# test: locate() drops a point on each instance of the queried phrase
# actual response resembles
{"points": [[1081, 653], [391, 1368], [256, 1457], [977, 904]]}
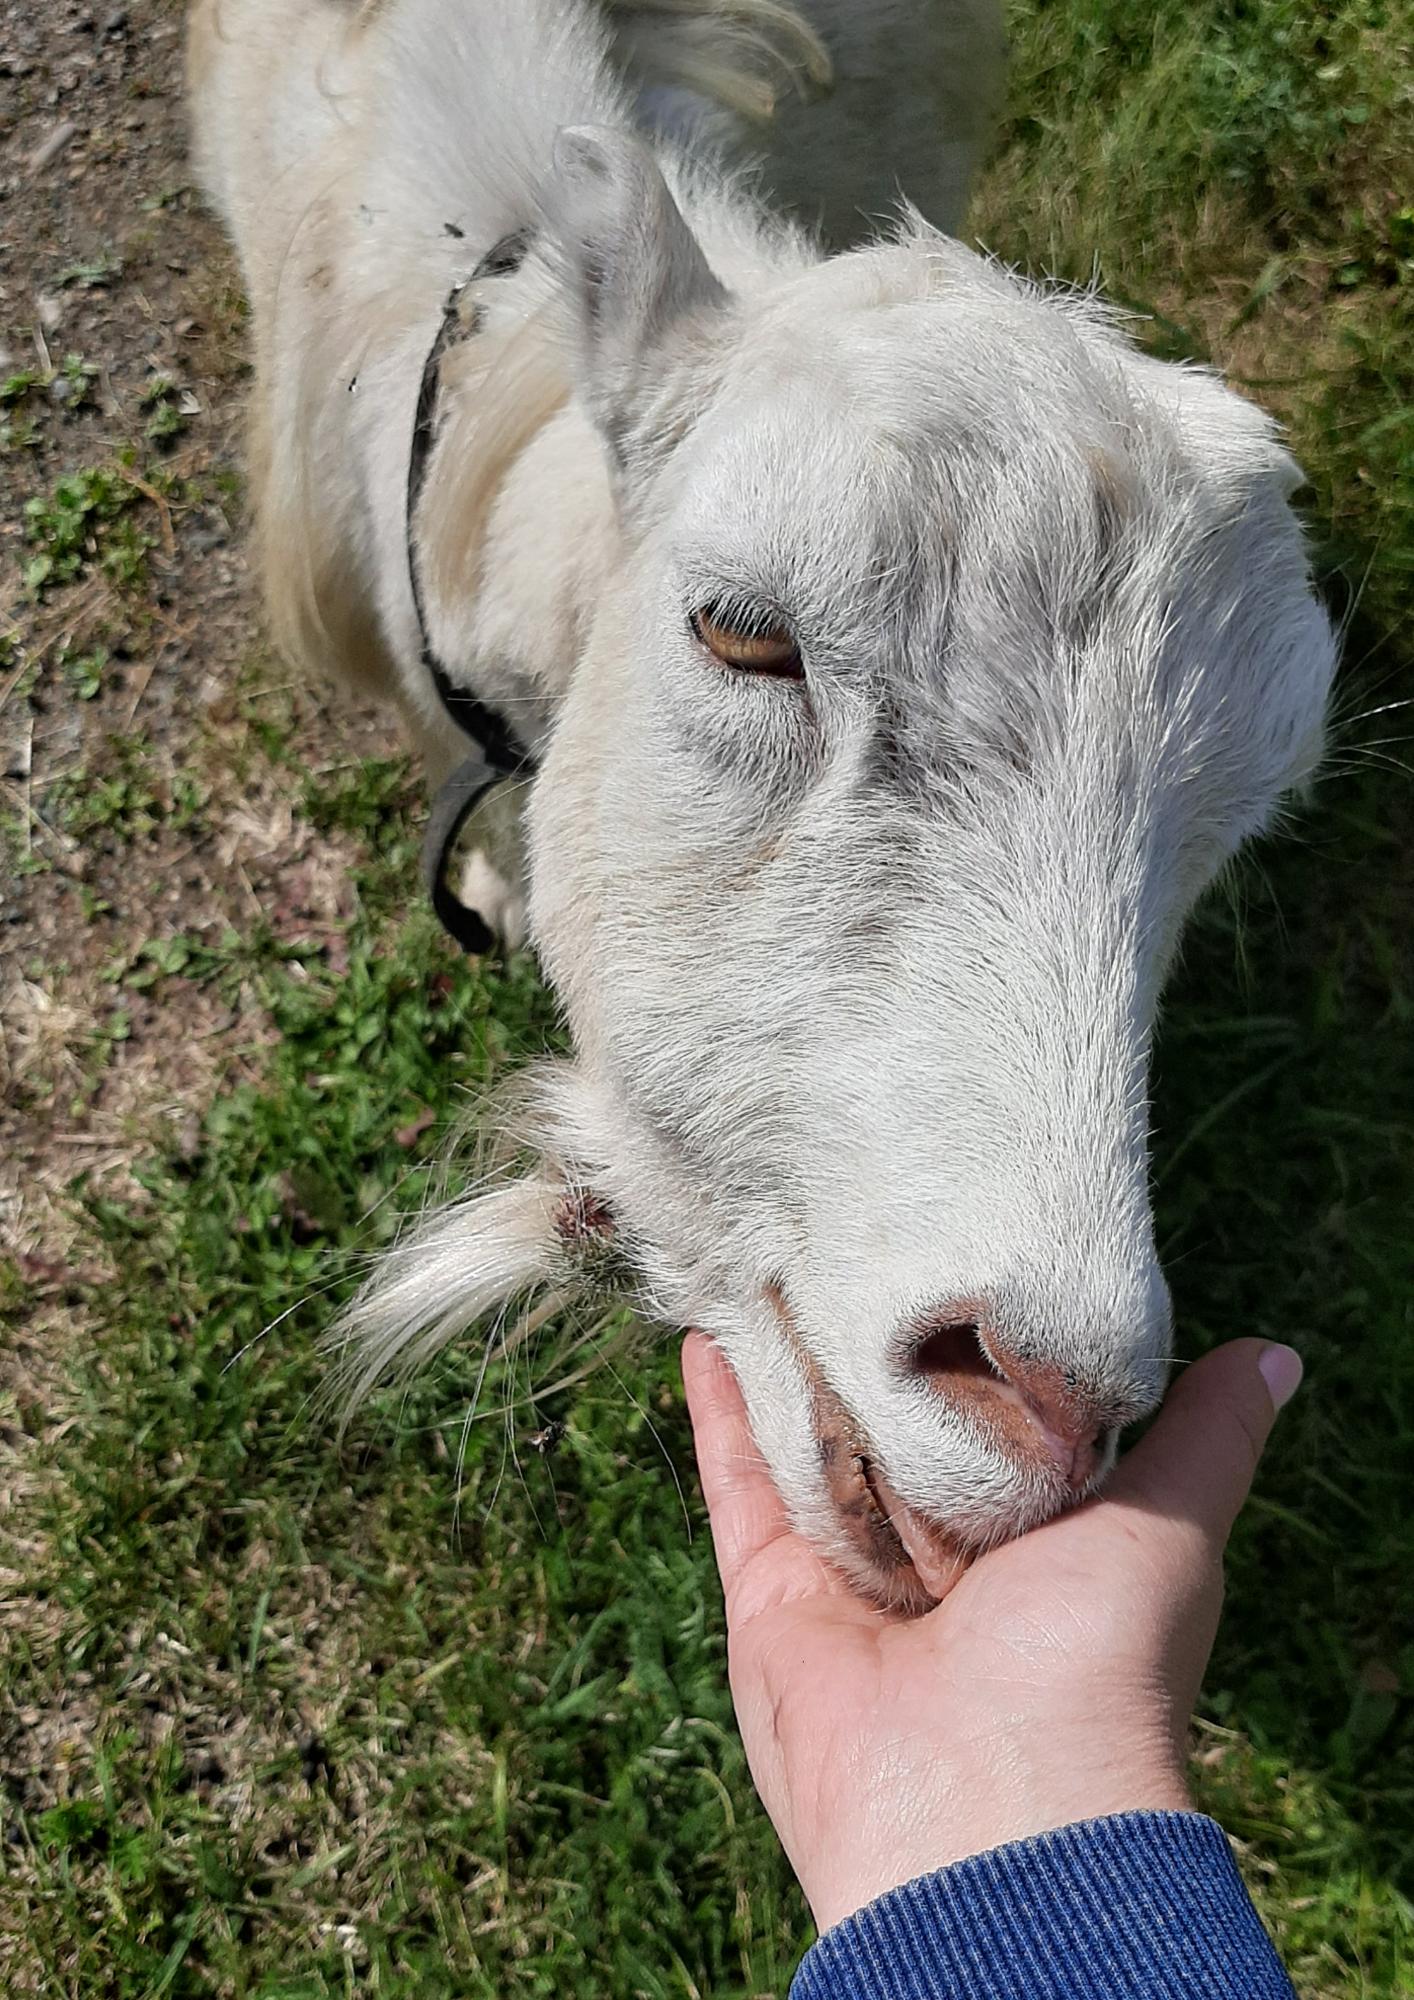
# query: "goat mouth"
{"points": [[906, 1563]]}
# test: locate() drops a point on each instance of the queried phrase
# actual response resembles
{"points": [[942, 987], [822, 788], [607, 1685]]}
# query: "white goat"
{"points": [[904, 652]]}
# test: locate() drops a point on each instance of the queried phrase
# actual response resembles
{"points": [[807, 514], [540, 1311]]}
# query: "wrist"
{"points": [[844, 1881]]}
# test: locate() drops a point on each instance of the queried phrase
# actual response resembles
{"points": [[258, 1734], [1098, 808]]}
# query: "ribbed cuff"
{"points": [[1141, 1906]]}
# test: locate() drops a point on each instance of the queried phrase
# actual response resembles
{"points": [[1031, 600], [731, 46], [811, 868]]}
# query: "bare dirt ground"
{"points": [[133, 806]]}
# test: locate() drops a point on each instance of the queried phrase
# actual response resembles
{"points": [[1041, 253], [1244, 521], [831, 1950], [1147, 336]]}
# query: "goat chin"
{"points": [[463, 1262]]}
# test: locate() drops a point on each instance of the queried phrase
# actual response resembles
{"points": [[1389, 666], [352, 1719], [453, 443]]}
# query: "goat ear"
{"points": [[635, 268], [1234, 438]]}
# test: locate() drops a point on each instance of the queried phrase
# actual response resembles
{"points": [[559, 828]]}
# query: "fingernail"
{"points": [[1281, 1371]]}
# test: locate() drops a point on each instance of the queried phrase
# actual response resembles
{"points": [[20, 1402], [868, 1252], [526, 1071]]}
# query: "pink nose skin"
{"points": [[1031, 1407]]}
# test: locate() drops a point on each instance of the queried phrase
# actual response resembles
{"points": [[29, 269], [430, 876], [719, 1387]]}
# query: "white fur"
{"points": [[475, 1255], [861, 972]]}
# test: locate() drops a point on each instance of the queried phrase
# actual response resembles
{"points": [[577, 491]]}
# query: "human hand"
{"points": [[1053, 1683]]}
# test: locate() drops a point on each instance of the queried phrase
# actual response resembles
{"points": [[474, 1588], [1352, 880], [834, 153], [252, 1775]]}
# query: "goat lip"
{"points": [[937, 1557], [1076, 1458], [1027, 1433], [887, 1537], [1076, 1450], [849, 1481]]}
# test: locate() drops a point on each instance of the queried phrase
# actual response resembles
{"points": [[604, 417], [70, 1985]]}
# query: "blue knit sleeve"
{"points": [[1142, 1906]]}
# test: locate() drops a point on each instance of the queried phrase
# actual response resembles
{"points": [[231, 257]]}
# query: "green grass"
{"points": [[88, 519], [1240, 176], [69, 386], [310, 1718]]}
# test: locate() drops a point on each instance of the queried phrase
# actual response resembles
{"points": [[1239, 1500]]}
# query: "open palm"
{"points": [[1053, 1683]]}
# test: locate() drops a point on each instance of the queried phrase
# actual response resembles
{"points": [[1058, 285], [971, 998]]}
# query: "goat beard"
{"points": [[549, 1241], [541, 1239]]}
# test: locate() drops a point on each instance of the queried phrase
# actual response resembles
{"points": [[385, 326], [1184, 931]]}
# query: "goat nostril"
{"points": [[952, 1350], [1039, 1407]]}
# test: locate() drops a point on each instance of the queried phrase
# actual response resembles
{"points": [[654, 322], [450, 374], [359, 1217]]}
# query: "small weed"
{"points": [[72, 382], [182, 957], [69, 386], [167, 197], [84, 671], [91, 274], [20, 432], [166, 419], [189, 797], [370, 798], [21, 855], [227, 485], [84, 520], [122, 804], [105, 1038], [128, 801]]}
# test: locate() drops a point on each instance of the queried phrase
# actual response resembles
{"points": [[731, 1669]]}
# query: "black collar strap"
{"points": [[498, 752]]}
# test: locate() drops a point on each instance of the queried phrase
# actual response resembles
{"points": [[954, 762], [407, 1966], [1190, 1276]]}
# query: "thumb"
{"points": [[1198, 1460], [764, 1564]]}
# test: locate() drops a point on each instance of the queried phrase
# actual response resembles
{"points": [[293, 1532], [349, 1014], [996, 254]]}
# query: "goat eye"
{"points": [[758, 644]]}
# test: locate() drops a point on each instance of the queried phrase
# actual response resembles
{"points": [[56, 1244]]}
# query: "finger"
{"points": [[746, 1512], [1198, 1460]]}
